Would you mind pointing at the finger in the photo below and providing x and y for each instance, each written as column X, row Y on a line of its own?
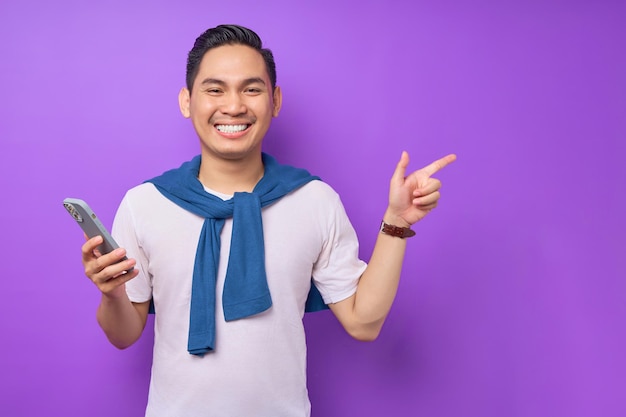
column 95, row 265
column 104, row 273
column 427, row 199
column 111, row 258
column 432, row 185
column 399, row 173
column 121, row 268
column 112, row 283
column 438, row 164
column 95, row 251
column 428, row 207
column 124, row 277
column 89, row 247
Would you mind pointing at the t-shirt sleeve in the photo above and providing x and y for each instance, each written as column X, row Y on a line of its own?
column 139, row 289
column 338, row 268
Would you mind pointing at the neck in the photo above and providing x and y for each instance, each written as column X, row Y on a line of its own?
column 230, row 176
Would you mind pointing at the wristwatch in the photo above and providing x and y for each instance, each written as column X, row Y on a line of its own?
column 401, row 232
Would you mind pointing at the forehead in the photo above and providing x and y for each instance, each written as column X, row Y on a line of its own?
column 232, row 63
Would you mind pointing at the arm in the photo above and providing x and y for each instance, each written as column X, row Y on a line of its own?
column 122, row 320
column 411, row 198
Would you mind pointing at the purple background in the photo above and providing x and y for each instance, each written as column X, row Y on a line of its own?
column 513, row 295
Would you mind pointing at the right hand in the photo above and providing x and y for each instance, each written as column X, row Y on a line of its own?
column 106, row 271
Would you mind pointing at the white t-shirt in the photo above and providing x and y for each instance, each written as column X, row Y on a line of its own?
column 258, row 367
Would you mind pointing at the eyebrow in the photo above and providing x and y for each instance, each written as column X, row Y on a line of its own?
column 247, row 81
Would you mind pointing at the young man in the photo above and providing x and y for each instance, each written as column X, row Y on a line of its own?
column 229, row 246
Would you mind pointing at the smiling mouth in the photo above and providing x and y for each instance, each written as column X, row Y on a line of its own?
column 231, row 128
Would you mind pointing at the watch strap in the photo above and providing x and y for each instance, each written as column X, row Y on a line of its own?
column 397, row 231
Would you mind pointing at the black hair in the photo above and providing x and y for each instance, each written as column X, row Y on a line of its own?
column 227, row 35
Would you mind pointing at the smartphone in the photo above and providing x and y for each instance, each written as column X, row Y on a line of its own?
column 91, row 225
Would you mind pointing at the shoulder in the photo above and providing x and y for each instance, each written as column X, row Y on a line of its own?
column 142, row 192
column 145, row 198
column 314, row 200
column 149, row 212
column 314, row 195
column 316, row 190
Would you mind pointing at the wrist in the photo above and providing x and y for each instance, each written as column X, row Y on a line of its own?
column 395, row 220
column 114, row 295
column 396, row 231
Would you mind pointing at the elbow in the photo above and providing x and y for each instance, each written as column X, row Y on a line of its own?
column 120, row 339
column 365, row 337
column 365, row 333
column 121, row 345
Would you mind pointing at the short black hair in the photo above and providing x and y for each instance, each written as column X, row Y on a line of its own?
column 227, row 35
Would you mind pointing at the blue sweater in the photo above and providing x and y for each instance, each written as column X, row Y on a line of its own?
column 245, row 288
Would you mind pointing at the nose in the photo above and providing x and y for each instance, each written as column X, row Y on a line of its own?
column 233, row 104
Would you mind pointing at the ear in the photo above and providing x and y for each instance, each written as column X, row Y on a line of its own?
column 183, row 101
column 278, row 101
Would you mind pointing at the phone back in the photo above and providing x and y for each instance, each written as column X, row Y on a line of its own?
column 89, row 222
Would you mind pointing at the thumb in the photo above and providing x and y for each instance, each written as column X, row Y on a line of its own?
column 400, row 172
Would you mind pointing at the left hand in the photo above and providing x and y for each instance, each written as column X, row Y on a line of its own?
column 412, row 197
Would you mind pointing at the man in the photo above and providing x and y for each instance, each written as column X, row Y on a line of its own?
column 228, row 247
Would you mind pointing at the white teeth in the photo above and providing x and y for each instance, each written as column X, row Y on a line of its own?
column 231, row 128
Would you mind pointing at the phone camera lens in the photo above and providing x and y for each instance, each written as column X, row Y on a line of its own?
column 75, row 214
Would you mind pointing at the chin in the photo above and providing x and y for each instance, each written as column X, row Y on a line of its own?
column 234, row 154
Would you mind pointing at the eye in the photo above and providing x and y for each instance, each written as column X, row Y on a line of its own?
column 253, row 90
column 213, row 91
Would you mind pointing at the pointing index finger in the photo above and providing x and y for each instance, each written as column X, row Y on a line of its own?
column 439, row 164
